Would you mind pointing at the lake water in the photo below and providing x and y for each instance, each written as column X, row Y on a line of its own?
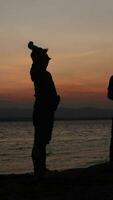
column 74, row 144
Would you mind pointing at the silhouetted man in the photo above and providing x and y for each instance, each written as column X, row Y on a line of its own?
column 46, row 102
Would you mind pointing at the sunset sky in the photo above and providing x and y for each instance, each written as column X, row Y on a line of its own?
column 79, row 35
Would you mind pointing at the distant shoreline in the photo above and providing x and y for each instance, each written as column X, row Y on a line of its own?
column 83, row 113
column 67, row 114
column 60, row 119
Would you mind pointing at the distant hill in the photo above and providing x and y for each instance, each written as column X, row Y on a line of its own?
column 84, row 113
column 62, row 113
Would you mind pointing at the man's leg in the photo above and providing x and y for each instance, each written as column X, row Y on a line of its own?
column 39, row 159
column 38, row 155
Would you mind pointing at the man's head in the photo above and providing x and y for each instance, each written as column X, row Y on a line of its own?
column 39, row 55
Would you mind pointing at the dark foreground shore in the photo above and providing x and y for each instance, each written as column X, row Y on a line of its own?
column 94, row 182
